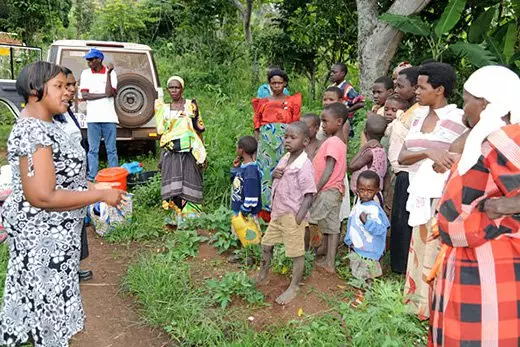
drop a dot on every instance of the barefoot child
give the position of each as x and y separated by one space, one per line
372 155
313 123
293 190
330 166
366 229
245 175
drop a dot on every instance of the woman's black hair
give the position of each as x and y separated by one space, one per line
279 73
439 74
33 77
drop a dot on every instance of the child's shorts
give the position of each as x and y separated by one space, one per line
285 230
325 211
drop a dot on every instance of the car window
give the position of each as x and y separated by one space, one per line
13 59
124 62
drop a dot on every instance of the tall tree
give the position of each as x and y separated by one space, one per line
31 18
245 11
378 41
83 14
310 34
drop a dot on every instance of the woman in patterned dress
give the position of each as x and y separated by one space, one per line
477 293
43 216
183 153
272 114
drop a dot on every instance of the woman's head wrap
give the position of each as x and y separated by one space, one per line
500 87
175 78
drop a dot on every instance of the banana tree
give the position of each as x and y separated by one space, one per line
484 46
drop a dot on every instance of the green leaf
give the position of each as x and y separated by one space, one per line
494 47
412 24
476 54
516 7
449 17
515 57
480 26
510 41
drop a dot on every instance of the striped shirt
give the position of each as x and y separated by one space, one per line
448 128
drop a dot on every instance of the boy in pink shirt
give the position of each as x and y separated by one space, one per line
330 167
293 190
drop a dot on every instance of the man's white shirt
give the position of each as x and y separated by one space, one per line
101 110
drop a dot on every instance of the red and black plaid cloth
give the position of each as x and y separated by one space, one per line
476 298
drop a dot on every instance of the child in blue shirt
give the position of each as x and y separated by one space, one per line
366 229
246 178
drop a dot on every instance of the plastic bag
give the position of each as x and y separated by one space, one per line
106 218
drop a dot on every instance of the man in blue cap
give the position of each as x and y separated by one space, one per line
98 85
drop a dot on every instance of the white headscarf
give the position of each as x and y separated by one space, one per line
175 78
500 87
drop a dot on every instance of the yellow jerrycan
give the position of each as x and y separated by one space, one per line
247 229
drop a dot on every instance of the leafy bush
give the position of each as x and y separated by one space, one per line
184 244
149 194
219 222
146 224
283 265
234 284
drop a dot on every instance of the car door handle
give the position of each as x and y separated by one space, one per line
9 89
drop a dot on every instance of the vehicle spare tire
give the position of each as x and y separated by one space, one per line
134 100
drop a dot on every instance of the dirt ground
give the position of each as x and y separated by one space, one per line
113 319
209 264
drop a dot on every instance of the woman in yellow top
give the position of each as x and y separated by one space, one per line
183 153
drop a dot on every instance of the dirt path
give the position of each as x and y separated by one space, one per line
112 320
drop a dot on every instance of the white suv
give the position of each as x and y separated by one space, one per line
137 89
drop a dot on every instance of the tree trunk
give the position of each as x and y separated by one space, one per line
378 41
245 14
247 21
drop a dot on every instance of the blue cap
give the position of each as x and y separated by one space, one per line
94 53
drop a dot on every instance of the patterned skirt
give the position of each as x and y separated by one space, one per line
270 150
181 177
421 259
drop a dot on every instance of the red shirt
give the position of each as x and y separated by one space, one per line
276 111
